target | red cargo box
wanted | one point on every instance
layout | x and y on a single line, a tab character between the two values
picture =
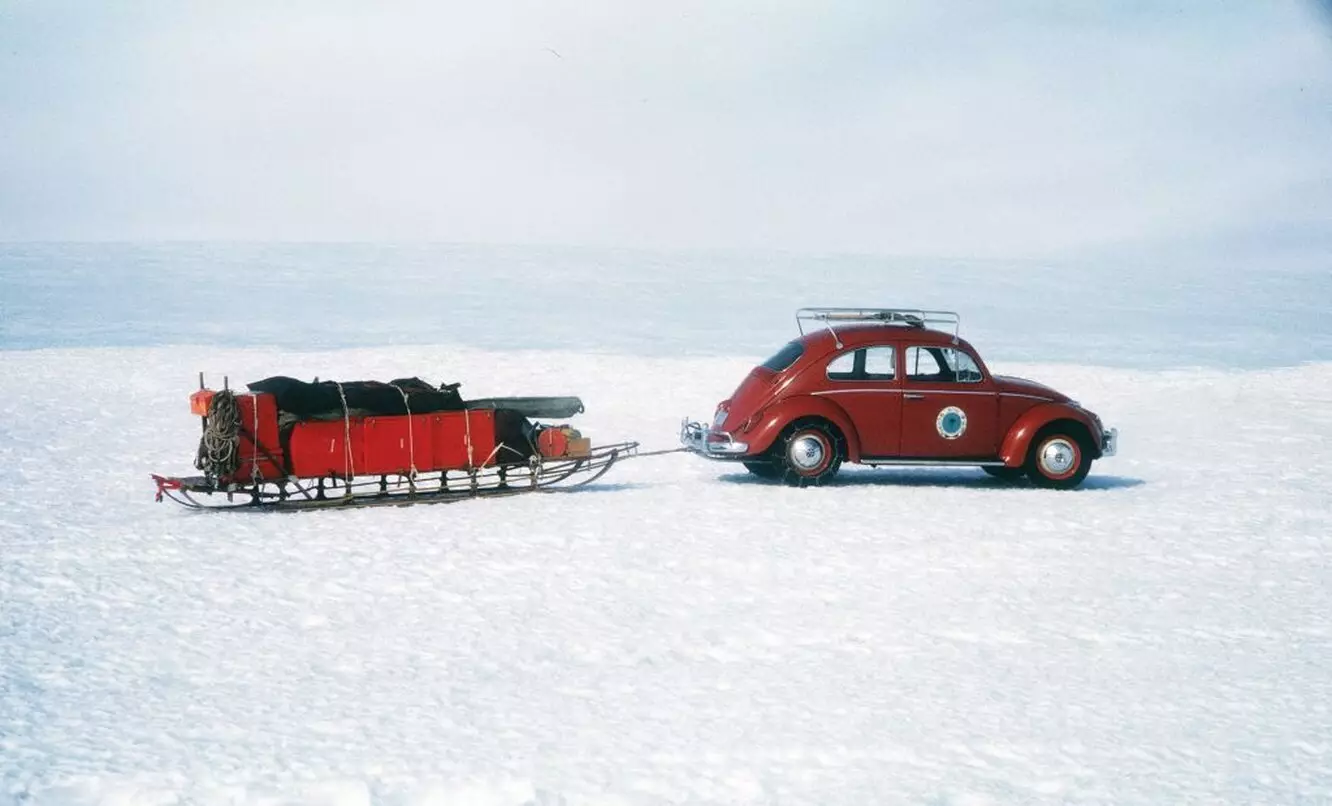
264	423
392	448
319	448
463	439
452	440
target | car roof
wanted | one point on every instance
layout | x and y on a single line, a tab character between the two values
860	335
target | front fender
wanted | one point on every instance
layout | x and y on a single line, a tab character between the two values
772	420
1018	440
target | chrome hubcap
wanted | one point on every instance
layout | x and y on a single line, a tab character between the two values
807	452
1058	457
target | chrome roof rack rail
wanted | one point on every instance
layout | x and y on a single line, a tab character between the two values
904	317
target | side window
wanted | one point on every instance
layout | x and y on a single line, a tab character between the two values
963	366
865	364
843	367
880	364
921	365
942	365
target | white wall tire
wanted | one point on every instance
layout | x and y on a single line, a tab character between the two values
1058	460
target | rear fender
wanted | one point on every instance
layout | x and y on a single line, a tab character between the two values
768	424
1018	440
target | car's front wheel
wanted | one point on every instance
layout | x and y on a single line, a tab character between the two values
811	454
1058	459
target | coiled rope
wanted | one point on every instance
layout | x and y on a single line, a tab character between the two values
219	448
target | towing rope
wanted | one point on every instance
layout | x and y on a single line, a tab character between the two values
219	447
467	438
349	465
254	442
411	437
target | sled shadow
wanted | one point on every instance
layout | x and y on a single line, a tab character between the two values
609	488
966	478
402	501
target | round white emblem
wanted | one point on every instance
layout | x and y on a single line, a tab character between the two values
952	422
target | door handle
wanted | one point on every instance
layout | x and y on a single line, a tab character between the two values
913	396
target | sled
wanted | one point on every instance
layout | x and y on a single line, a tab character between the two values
289	445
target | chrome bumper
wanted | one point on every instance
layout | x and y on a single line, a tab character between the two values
713	444
1109	441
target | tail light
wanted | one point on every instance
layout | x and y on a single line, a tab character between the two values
723	409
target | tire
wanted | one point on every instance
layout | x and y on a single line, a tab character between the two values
1005	473
810	454
764	469
1058	459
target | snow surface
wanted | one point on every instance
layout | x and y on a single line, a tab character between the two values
679	633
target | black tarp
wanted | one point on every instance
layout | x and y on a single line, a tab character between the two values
548	408
321	400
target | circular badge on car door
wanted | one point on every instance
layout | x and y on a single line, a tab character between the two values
951	422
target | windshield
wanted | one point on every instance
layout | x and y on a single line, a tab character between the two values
785	357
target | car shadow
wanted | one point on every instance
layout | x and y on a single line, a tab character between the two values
971	478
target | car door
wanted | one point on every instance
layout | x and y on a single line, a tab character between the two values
863	381
949	408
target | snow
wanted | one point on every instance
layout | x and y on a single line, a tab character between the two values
678	633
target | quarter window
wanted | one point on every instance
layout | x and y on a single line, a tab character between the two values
865	364
843	367
880	364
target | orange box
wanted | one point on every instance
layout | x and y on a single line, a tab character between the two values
200	401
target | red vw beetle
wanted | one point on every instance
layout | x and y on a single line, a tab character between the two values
878	386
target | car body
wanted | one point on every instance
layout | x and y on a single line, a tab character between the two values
878	386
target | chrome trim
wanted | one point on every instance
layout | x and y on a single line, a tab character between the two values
848	391
932	463
950	391
1029	397
1058	456
806	453
1109	442
902	317
700	439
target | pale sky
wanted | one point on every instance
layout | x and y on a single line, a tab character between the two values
990	129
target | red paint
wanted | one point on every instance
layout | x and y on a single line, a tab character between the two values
775	417
261	458
553	442
898	417
370	446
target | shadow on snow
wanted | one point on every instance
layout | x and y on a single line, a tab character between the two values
970	478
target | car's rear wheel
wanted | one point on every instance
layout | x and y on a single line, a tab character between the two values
1005	473
811	453
1059	459
764	468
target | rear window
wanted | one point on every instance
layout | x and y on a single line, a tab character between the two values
785	357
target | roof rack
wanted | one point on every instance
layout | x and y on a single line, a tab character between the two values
905	317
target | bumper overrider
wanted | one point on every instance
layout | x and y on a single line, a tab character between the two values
712	444
1109	441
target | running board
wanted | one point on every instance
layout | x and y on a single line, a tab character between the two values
875	462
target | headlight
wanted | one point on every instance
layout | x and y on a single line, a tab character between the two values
719	418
